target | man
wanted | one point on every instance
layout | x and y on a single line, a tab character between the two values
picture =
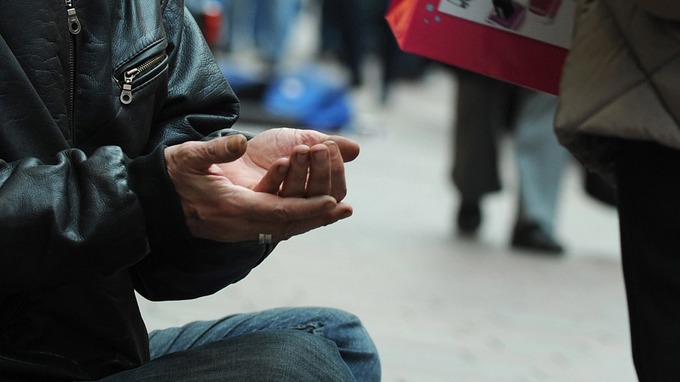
118	173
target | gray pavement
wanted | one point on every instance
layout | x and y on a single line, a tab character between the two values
442	308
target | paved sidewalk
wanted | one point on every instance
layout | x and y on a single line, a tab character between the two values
442	308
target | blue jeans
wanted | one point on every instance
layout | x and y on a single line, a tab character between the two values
541	161
284	344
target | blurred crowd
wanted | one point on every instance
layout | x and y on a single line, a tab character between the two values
284	76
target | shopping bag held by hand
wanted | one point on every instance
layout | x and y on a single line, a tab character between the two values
523	42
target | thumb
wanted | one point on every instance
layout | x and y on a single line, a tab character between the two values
348	148
219	150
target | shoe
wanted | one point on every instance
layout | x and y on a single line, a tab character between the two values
530	236
469	217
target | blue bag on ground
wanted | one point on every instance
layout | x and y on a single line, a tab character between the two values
314	96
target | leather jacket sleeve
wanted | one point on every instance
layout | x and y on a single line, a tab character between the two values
73	212
52	233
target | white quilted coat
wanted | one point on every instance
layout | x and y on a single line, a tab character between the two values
621	78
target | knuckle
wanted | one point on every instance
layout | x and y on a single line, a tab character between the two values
307	137
280	214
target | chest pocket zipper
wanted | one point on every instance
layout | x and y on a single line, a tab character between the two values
130	74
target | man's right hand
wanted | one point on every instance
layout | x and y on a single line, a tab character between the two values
216	208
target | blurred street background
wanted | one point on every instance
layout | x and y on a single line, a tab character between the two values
440	307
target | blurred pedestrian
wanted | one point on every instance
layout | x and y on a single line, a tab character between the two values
486	111
619	114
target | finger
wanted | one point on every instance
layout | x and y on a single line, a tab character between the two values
268	208
337	172
280	232
298	227
245	214
349	149
273	179
296	179
201	155
319	181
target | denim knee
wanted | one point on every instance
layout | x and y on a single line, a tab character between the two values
343	328
266	356
351	338
290	355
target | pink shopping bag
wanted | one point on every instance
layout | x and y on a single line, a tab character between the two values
523	42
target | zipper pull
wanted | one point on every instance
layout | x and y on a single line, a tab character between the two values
126	94
73	22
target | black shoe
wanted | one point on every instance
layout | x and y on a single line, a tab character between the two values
530	236
469	217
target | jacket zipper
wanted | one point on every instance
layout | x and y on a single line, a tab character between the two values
130	74
73	22
74	29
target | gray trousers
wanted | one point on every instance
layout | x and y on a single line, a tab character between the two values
486	110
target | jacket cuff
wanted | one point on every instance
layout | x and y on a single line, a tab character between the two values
150	181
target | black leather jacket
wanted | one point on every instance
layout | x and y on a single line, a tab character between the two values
90	94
